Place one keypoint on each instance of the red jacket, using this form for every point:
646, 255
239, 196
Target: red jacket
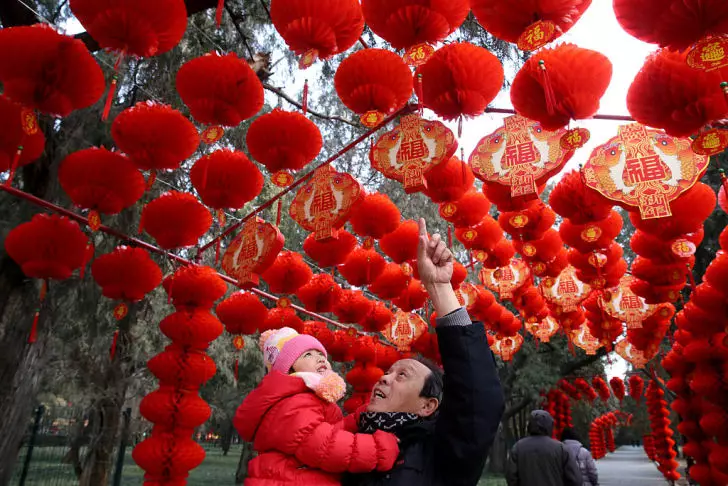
301, 439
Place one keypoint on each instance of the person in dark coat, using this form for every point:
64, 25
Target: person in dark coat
583, 457
445, 424
539, 460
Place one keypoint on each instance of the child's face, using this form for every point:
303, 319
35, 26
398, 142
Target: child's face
312, 361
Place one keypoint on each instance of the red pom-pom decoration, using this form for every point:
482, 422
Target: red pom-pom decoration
374, 215
126, 274
287, 274
175, 220
226, 179
573, 200
241, 313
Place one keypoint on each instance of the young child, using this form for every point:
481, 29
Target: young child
294, 422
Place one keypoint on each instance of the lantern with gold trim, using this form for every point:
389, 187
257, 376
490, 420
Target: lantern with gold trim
507, 279
520, 154
404, 329
322, 206
644, 168
623, 304
252, 251
507, 347
566, 290
407, 152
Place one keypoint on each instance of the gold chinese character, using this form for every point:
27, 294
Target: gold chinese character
711, 141
713, 52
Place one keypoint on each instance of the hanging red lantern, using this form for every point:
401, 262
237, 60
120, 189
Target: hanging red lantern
193, 327
617, 387
320, 293
126, 274
46, 71
252, 251
374, 215
167, 458
322, 206
241, 313
413, 297
373, 83
392, 281
401, 244
507, 279
636, 387
21, 141
188, 368
170, 407
561, 84
283, 315
317, 29
449, 181
520, 155
352, 306
377, 319
404, 329
601, 387
155, 136
238, 93
226, 179
47, 247
469, 210
287, 274
460, 79
175, 220
101, 181
527, 23
330, 253
194, 286
573, 200
362, 267
283, 140
411, 150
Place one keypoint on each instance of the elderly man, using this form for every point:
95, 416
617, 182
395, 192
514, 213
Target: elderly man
445, 424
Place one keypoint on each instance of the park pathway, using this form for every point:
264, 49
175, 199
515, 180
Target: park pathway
628, 466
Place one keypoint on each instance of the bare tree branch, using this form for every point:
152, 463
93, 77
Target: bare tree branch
283, 95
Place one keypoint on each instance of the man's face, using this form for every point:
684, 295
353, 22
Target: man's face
399, 390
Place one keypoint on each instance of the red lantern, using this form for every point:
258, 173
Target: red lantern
408, 24
283, 140
226, 179
193, 327
194, 286
392, 281
636, 387
167, 458
241, 313
175, 408
253, 251
46, 71
573, 200
413, 297
561, 84
21, 142
320, 293
317, 29
287, 274
175, 220
126, 274
330, 253
155, 136
48, 246
374, 215
322, 206
377, 318
101, 181
529, 24
362, 267
187, 368
352, 306
449, 181
280, 316
401, 244
460, 79
617, 387
237, 93
469, 210
373, 83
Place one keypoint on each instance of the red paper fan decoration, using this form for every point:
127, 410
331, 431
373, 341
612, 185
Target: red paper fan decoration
194, 286
287, 274
373, 83
241, 313
320, 293
317, 29
17, 146
220, 89
469, 210
48, 246
391, 282
671, 23
283, 140
126, 274
135, 27
155, 136
330, 253
449, 181
530, 24
374, 215
175, 220
226, 179
100, 180
561, 84
407, 24
669, 94
352, 306
401, 244
460, 79
46, 71
362, 267
377, 318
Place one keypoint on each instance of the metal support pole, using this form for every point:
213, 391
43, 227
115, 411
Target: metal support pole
31, 443
126, 420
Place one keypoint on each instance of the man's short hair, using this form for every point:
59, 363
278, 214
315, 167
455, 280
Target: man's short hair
433, 386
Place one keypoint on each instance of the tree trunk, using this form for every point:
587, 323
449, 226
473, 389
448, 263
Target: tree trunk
498, 454
245, 456
226, 438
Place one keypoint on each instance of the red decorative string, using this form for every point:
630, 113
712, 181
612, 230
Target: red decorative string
112, 350
304, 102
218, 13
547, 88
14, 165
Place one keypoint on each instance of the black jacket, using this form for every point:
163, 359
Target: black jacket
539, 460
451, 449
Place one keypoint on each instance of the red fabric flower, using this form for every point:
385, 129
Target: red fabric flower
126, 273
13, 136
226, 179
175, 220
241, 313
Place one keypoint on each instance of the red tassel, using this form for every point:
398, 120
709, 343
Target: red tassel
14, 165
460, 126
304, 101
34, 328
724, 85
418, 92
368, 269
151, 179
279, 213
112, 350
109, 98
548, 89
691, 279
462, 159
724, 181
218, 13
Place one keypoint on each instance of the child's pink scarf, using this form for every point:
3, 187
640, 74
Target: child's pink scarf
330, 386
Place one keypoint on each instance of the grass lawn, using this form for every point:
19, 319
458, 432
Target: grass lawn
47, 469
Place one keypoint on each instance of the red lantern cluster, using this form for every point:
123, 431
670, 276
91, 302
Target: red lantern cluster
601, 387
601, 435
558, 405
636, 387
661, 432
365, 373
618, 388
176, 408
587, 392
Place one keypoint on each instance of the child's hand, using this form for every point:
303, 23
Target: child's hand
388, 445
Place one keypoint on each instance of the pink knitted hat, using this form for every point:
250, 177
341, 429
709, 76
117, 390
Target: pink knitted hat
282, 347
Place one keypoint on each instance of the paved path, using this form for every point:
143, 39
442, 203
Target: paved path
629, 466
